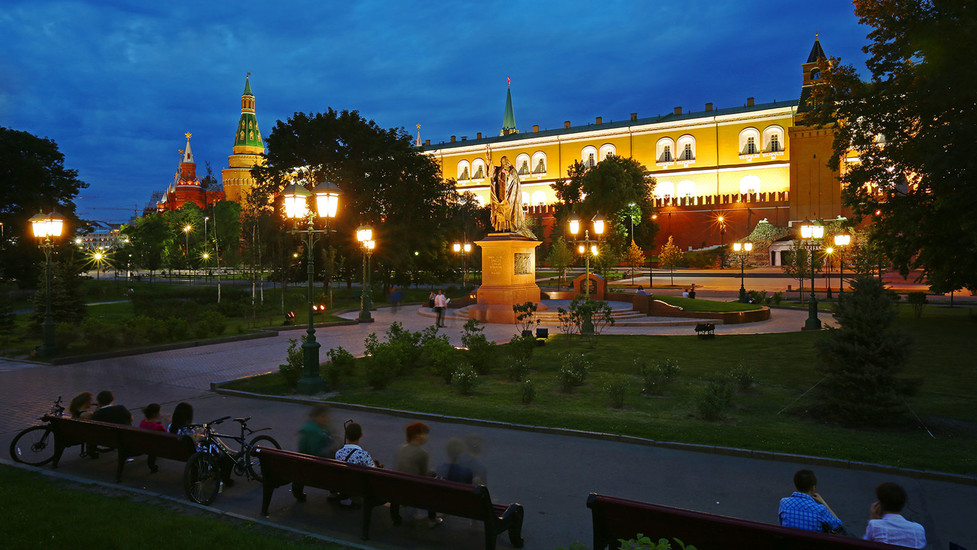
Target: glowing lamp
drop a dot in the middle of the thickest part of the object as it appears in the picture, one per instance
(326, 199)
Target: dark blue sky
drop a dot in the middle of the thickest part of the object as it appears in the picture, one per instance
(117, 83)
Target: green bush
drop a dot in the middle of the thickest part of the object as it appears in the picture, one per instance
(408, 346)
(441, 357)
(177, 329)
(98, 333)
(210, 323)
(138, 331)
(517, 369)
(641, 542)
(291, 369)
(777, 298)
(66, 335)
(382, 366)
(655, 377)
(714, 399)
(465, 379)
(615, 389)
(521, 347)
(342, 360)
(482, 353)
(573, 371)
(528, 391)
(759, 297)
(743, 377)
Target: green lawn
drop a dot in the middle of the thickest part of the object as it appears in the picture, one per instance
(783, 364)
(38, 512)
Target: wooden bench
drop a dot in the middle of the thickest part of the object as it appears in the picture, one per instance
(378, 486)
(129, 441)
(705, 330)
(618, 518)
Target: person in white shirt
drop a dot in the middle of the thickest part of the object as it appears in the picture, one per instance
(440, 303)
(887, 525)
(351, 452)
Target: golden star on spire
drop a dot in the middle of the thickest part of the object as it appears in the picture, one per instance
(188, 136)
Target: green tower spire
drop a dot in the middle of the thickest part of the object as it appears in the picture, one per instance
(509, 120)
(248, 134)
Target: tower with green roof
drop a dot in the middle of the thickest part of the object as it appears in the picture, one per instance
(509, 119)
(248, 149)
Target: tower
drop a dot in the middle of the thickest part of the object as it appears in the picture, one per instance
(247, 151)
(509, 119)
(810, 76)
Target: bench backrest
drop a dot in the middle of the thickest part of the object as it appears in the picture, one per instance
(458, 499)
(617, 518)
(156, 443)
(281, 466)
(75, 430)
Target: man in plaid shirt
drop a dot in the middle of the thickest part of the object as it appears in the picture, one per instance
(805, 509)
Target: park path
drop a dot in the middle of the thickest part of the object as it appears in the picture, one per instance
(549, 473)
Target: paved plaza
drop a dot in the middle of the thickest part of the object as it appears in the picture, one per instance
(549, 472)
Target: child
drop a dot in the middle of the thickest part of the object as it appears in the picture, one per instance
(152, 420)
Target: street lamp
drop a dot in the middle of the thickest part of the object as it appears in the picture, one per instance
(295, 199)
(742, 249)
(841, 241)
(827, 270)
(722, 235)
(463, 249)
(186, 254)
(584, 246)
(364, 234)
(46, 228)
(812, 233)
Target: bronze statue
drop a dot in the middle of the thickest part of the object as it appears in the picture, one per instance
(506, 194)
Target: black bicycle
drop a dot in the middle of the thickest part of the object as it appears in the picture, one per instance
(35, 445)
(206, 470)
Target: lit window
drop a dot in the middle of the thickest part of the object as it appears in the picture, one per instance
(590, 160)
(816, 74)
(751, 145)
(667, 154)
(539, 198)
(687, 153)
(775, 143)
(607, 150)
(479, 174)
(524, 168)
(464, 174)
(540, 167)
(589, 156)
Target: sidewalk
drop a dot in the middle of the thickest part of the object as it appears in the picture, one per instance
(550, 474)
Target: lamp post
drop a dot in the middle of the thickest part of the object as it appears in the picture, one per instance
(463, 249)
(364, 234)
(587, 247)
(722, 235)
(812, 233)
(47, 228)
(186, 253)
(828, 251)
(742, 249)
(295, 200)
(841, 241)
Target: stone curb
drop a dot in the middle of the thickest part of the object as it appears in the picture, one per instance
(694, 447)
(185, 504)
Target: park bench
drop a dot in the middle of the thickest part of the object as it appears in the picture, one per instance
(129, 441)
(618, 518)
(378, 486)
(705, 330)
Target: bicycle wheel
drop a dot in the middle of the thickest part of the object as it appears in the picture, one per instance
(254, 466)
(201, 478)
(34, 446)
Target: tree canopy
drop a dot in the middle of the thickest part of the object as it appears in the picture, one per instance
(912, 127)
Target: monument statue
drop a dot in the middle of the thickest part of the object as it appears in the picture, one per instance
(506, 194)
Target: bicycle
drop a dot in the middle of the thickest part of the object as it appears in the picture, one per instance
(35, 445)
(203, 477)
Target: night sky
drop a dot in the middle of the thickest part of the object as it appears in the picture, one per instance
(116, 84)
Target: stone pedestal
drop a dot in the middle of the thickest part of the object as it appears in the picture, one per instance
(508, 277)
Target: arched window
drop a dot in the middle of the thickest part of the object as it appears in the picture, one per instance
(664, 189)
(749, 184)
(606, 150)
(589, 156)
(539, 198)
(525, 198)
(478, 169)
(773, 139)
(686, 188)
(815, 74)
(539, 162)
(522, 164)
(686, 148)
(749, 137)
(664, 149)
(463, 170)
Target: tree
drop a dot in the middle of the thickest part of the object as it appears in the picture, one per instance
(912, 127)
(669, 257)
(634, 257)
(32, 179)
(149, 238)
(795, 264)
(617, 188)
(559, 258)
(861, 358)
(386, 182)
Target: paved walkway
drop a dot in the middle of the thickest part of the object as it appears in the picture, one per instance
(550, 474)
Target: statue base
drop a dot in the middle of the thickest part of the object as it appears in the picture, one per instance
(508, 277)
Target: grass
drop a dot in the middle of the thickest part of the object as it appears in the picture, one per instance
(81, 517)
(783, 364)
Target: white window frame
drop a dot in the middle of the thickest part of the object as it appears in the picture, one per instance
(607, 149)
(745, 135)
(660, 149)
(476, 164)
(463, 167)
(687, 139)
(538, 156)
(768, 134)
(523, 158)
(585, 156)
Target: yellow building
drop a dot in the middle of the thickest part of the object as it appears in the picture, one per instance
(708, 160)
(247, 152)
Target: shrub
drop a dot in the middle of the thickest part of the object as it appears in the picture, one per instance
(481, 352)
(743, 377)
(528, 390)
(291, 369)
(759, 297)
(517, 369)
(98, 333)
(342, 360)
(441, 357)
(177, 329)
(777, 298)
(137, 330)
(573, 371)
(465, 379)
(714, 399)
(211, 323)
(521, 347)
(381, 367)
(655, 377)
(408, 345)
(615, 390)
(66, 334)
(641, 542)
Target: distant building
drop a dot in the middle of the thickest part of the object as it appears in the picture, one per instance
(103, 236)
(247, 152)
(186, 187)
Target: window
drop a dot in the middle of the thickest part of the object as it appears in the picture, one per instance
(775, 144)
(607, 150)
(479, 172)
(525, 198)
(464, 174)
(663, 150)
(667, 154)
(686, 147)
(773, 139)
(751, 145)
(524, 168)
(589, 156)
(816, 74)
(463, 170)
(664, 189)
(686, 188)
(539, 198)
(749, 137)
(590, 160)
(749, 184)
(539, 162)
